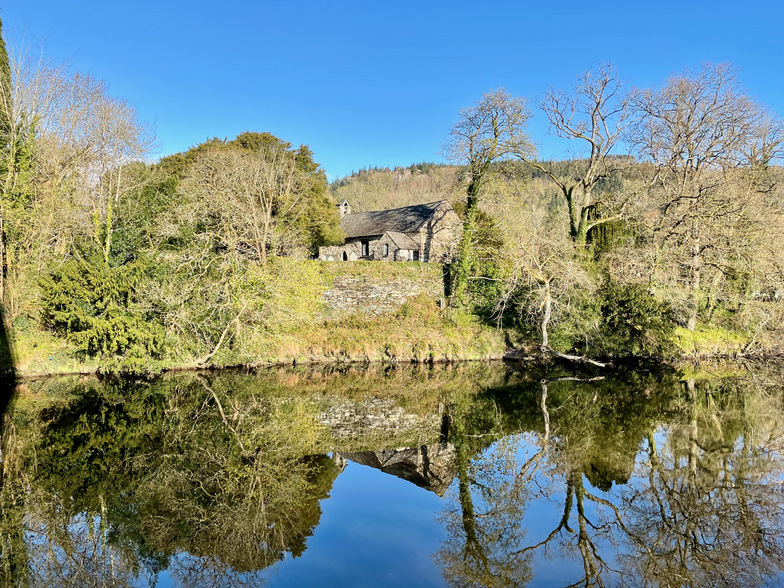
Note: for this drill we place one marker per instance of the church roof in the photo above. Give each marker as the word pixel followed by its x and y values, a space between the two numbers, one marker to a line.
pixel 408 219
pixel 402 241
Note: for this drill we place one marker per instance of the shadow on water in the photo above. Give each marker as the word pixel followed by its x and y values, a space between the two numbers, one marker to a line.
pixel 13 556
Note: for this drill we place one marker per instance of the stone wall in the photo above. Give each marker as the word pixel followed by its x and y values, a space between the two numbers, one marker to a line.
pixel 373 293
pixel 353 252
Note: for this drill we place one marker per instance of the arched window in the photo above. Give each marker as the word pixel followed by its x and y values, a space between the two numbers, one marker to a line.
pixel 345 256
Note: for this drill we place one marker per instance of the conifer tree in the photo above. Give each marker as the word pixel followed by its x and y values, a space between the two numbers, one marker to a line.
pixel 6 144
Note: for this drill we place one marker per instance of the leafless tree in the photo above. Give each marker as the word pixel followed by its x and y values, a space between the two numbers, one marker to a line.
pixel 491 131
pixel 545 275
pixel 705 138
pixel 254 195
pixel 595 115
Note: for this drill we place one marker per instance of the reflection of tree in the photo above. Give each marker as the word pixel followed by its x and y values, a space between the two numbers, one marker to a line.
pixel 594 564
pixel 711 512
pixel 205 476
pixel 701 505
pixel 126 475
pixel 13 549
pixel 486 523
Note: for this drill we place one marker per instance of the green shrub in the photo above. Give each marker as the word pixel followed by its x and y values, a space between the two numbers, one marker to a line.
pixel 634 322
pixel 96 307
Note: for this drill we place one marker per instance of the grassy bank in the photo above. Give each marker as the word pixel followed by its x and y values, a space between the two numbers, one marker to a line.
pixel 705 341
pixel 278 314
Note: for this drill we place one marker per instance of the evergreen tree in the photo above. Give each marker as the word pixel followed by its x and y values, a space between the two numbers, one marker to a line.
pixel 5 87
pixel 6 144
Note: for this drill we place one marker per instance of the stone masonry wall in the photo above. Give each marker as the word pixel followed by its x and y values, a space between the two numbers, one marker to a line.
pixel 373 294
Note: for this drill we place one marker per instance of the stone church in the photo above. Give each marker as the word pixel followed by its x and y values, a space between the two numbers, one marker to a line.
pixel 423 232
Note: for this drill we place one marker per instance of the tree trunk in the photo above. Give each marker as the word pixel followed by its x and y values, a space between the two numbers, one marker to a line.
pixel 695 279
pixel 466 256
pixel 546 316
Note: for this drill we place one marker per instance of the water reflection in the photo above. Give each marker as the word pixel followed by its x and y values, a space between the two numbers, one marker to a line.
pixel 697 498
pixel 207 479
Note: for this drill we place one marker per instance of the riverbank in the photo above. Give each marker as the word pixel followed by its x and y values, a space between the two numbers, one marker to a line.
pixel 419 331
pixel 303 312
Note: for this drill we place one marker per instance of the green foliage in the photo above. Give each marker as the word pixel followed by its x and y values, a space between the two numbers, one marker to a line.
pixel 576 326
pixel 96 306
pixel 609 235
pixel 17 170
pixel 478 275
pixel 5 88
pixel 150 193
pixel 318 212
pixel 178 164
pixel 634 322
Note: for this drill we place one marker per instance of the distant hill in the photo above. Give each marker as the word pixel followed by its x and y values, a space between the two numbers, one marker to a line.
pixel 379 188
pixel 382 188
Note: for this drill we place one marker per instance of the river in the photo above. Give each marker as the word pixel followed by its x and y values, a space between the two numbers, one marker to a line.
pixel 466 475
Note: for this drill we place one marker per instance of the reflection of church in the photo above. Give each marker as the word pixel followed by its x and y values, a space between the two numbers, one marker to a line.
pixel 609 467
pixel 431 467
pixel 428 465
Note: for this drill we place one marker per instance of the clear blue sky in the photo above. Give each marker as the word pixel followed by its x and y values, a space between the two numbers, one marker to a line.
pixel 380 83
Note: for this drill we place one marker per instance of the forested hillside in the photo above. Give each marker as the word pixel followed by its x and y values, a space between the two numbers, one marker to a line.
pixel 382 188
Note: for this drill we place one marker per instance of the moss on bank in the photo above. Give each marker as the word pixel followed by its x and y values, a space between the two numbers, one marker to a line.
pixel 706 341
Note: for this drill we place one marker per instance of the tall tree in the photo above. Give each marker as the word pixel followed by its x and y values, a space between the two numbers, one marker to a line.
pixel 17 132
pixel 547 281
pixel 492 131
pixel 6 143
pixel 705 138
pixel 5 87
pixel 594 116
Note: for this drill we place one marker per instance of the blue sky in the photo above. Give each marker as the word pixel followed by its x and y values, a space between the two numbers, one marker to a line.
pixel 368 83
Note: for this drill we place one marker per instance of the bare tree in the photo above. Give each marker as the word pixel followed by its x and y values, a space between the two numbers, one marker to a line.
pixel 66 144
pixel 595 115
pixel 83 137
pixel 92 136
pixel 253 196
pixel 546 277
pixel 491 131
pixel 704 136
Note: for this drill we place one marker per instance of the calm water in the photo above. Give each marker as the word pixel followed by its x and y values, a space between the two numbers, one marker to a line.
pixel 474 475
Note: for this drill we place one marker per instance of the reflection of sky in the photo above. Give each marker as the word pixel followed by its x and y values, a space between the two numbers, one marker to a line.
pixel 375 529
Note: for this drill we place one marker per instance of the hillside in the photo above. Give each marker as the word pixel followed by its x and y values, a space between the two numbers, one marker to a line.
pixel 382 188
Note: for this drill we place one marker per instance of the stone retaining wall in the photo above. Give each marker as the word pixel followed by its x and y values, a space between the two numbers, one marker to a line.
pixel 372 294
